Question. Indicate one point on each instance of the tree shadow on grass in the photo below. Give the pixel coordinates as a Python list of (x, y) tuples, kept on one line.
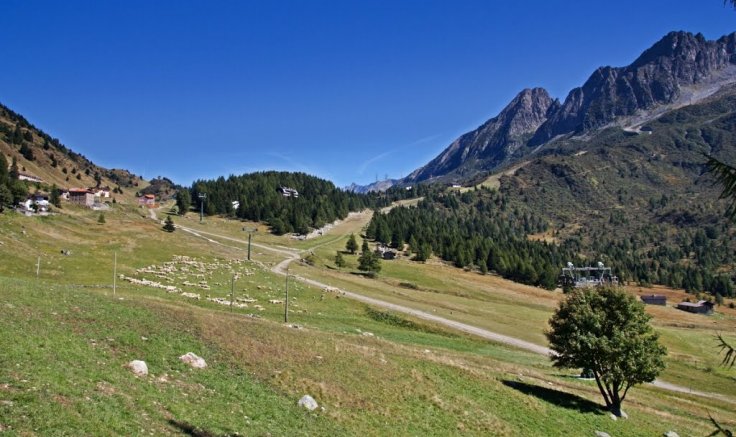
[(191, 430), (556, 397)]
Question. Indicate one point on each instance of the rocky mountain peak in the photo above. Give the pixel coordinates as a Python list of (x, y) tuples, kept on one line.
[(497, 139), (656, 77), (680, 69), (527, 111)]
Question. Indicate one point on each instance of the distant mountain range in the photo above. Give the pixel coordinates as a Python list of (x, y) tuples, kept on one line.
[(679, 70)]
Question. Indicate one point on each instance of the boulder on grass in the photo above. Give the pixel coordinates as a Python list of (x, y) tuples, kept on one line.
[(193, 360), (308, 402), (138, 367)]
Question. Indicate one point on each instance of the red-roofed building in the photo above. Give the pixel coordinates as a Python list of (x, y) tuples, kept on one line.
[(149, 200), (81, 196)]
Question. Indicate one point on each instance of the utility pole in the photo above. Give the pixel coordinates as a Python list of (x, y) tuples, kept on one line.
[(202, 198), (250, 231), (232, 293), (286, 301), (114, 273)]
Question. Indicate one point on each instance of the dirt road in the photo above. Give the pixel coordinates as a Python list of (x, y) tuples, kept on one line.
[(292, 255)]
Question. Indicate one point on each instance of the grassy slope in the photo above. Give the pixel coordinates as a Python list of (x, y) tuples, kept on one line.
[(64, 347)]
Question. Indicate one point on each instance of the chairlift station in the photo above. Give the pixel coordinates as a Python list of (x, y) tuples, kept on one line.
[(581, 277)]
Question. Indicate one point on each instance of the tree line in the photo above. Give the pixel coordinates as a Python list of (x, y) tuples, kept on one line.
[(256, 197), (476, 229)]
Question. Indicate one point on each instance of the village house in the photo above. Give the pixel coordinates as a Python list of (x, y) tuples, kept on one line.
[(37, 202), (147, 200), (81, 196), (101, 192), (654, 299), (701, 307), (29, 177), (385, 252)]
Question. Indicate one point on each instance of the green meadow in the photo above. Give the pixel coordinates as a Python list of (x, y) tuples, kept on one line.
[(66, 339)]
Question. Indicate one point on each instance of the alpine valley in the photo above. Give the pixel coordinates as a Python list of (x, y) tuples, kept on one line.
[(617, 171), (275, 303)]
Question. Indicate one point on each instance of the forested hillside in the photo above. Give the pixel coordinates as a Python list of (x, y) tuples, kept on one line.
[(478, 229), (643, 200), (258, 197)]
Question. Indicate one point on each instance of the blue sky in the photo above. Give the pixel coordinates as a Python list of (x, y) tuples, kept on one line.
[(345, 90)]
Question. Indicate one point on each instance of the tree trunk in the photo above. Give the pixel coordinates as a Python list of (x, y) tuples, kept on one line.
[(615, 407)]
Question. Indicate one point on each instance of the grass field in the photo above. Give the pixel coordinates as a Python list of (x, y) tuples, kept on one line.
[(66, 340)]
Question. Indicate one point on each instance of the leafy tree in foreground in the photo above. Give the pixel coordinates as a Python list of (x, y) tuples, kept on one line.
[(169, 224), (607, 331), (352, 245)]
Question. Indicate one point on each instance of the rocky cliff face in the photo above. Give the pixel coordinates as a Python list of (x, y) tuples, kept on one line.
[(678, 60), (497, 139), (680, 69)]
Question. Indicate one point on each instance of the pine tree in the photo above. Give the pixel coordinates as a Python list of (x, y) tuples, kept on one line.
[(6, 197), (339, 260), (369, 262), (4, 173), (352, 245), (55, 197), (183, 201), (169, 224), (14, 172), (27, 152)]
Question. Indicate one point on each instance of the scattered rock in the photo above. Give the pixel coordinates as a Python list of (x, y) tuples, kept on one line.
[(295, 326), (138, 367), (308, 402), (602, 434), (671, 434), (193, 360), (6, 403)]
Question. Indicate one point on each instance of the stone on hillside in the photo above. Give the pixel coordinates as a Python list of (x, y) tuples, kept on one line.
[(138, 367), (193, 360), (671, 434), (602, 434), (308, 402)]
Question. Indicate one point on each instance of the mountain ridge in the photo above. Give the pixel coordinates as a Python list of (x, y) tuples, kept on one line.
[(680, 69)]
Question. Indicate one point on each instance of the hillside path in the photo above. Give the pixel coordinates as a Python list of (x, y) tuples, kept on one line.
[(282, 269)]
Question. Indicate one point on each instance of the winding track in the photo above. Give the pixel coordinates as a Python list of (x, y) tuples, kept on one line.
[(292, 255)]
